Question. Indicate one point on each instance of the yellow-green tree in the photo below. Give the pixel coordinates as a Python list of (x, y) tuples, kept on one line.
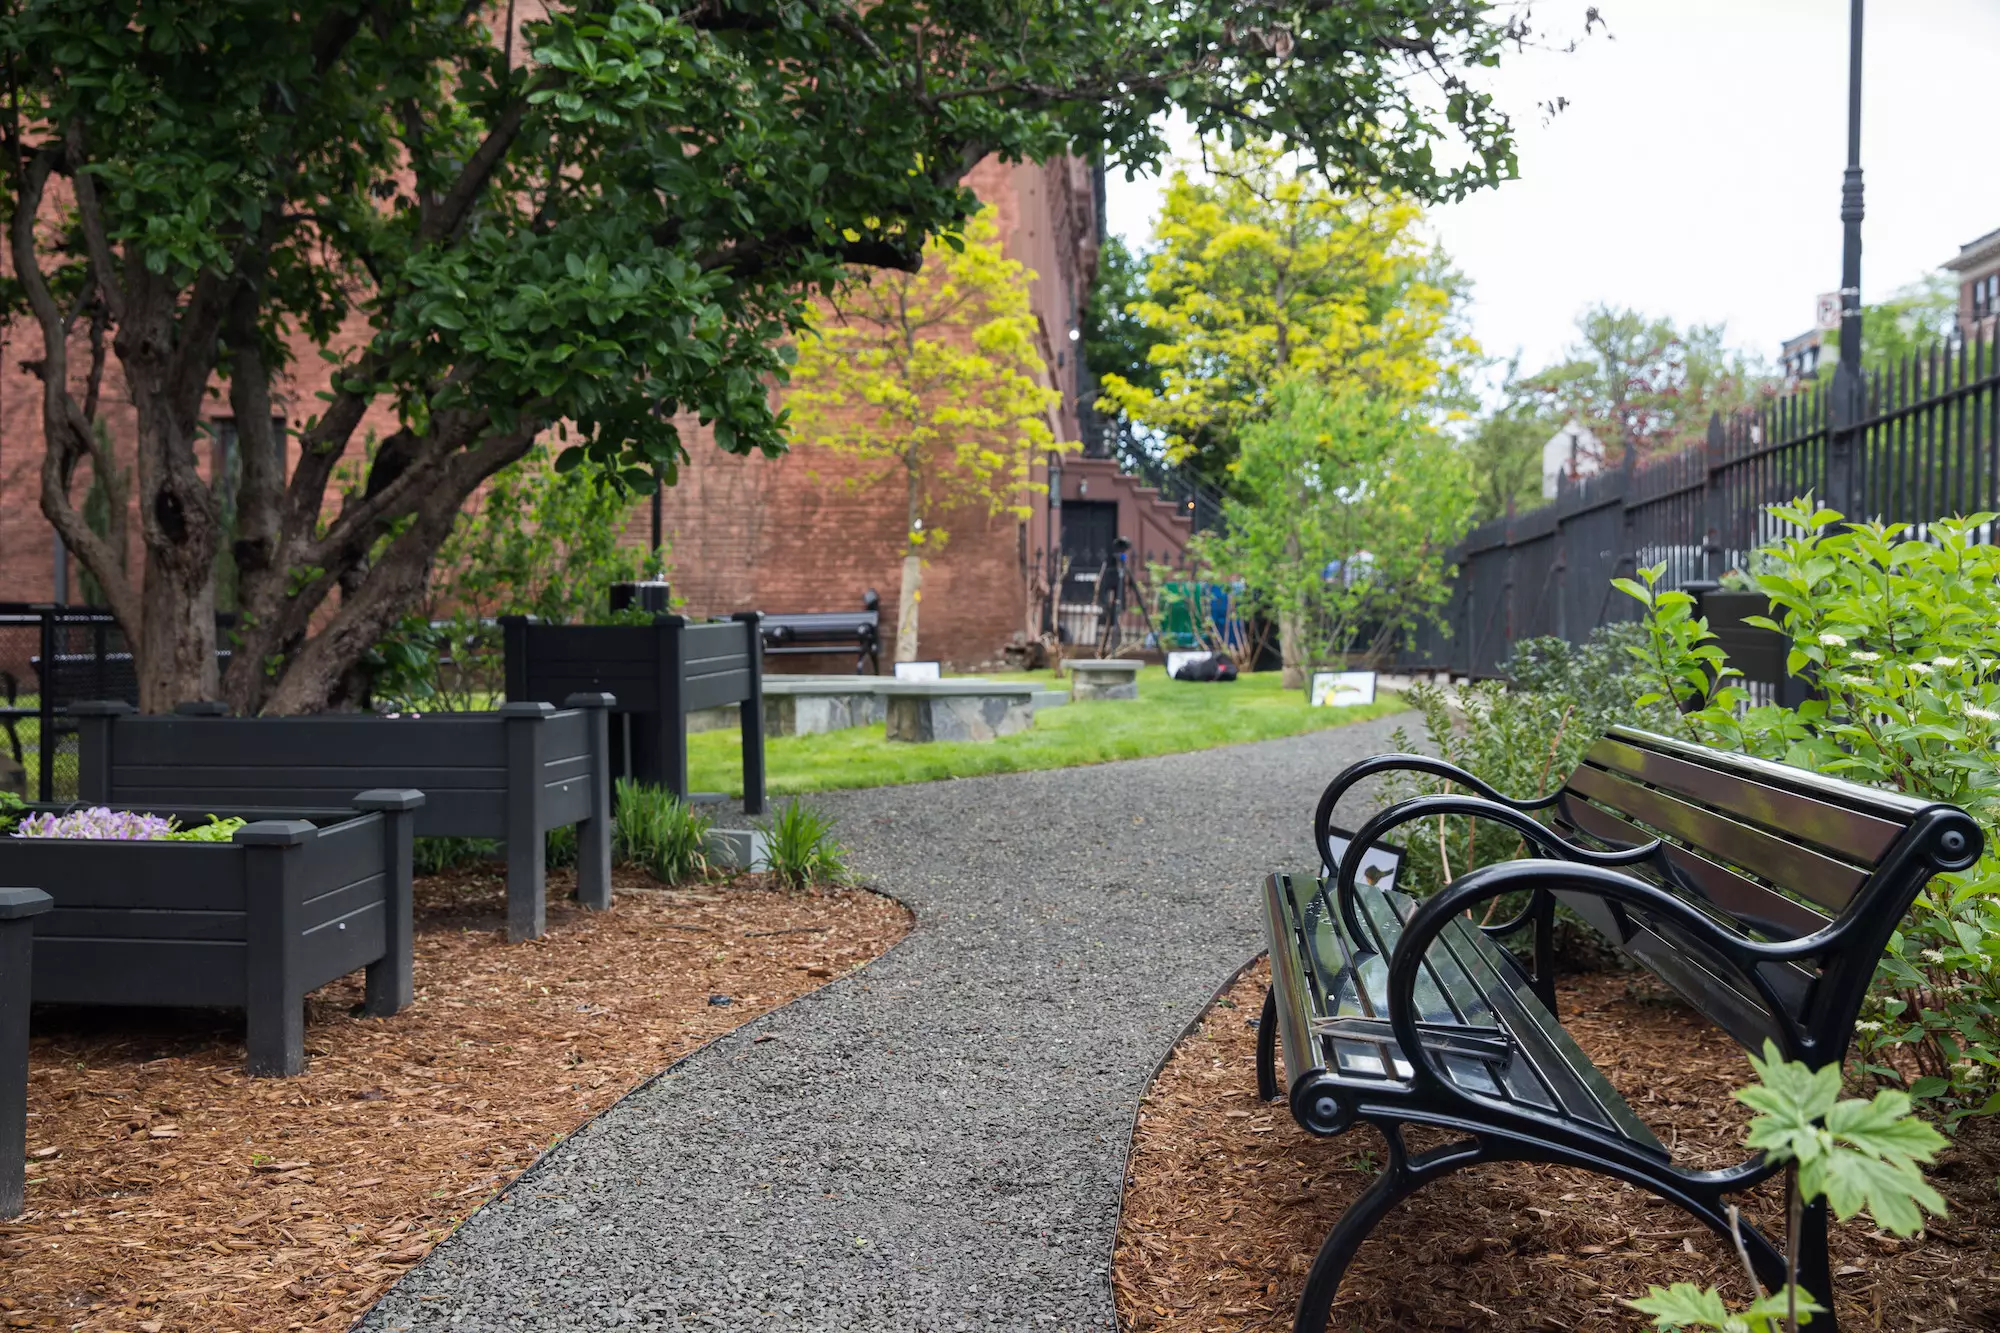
[(933, 380), (1261, 273)]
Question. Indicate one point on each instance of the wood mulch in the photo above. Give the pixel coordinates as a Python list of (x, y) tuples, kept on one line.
[(1227, 1201), (167, 1191)]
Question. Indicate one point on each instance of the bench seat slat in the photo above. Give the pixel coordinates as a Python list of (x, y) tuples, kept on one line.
[(1854, 834), (1542, 1074), (1350, 985), (1803, 871)]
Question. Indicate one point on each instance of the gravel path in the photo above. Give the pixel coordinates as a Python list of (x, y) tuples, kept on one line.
[(937, 1142)]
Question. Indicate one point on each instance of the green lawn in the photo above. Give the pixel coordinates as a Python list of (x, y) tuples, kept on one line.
[(1169, 717)]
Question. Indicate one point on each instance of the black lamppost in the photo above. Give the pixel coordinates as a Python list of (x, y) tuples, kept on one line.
[(1051, 510), (658, 536), (1849, 399)]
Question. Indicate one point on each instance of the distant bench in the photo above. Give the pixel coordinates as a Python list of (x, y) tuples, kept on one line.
[(821, 632)]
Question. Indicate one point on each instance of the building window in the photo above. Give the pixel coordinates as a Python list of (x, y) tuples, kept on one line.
[(1986, 296)]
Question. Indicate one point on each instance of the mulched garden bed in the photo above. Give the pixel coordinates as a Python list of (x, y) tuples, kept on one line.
[(1227, 1200), (167, 1191)]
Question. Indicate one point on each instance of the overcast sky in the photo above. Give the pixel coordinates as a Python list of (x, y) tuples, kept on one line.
[(1696, 171)]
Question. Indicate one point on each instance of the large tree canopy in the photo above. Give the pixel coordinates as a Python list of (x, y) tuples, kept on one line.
[(607, 217), (1265, 272)]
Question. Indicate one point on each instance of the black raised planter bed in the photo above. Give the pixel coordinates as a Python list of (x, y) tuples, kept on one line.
[(515, 774), (1759, 653), (252, 924), (18, 910), (658, 673)]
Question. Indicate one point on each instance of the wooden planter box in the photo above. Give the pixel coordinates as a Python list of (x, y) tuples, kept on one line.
[(513, 774), (658, 674), (252, 924)]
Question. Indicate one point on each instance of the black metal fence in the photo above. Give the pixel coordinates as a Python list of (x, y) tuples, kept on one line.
[(1924, 444), (50, 658)]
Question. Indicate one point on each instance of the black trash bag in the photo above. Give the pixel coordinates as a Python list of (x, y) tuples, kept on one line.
[(1216, 667)]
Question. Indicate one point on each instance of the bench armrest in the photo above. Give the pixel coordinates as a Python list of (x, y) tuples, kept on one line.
[(1406, 763), (1488, 882), (1538, 836)]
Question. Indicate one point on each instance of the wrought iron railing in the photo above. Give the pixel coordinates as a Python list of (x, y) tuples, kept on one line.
[(1926, 445)]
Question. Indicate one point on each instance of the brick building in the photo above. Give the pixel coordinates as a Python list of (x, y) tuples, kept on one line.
[(779, 535), (791, 534)]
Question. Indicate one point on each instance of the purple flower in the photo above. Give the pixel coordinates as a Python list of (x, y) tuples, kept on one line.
[(94, 822)]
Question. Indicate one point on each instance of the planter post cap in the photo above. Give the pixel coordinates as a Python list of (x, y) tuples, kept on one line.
[(275, 833), (202, 708), (388, 798), (18, 903), (100, 708), (591, 700), (527, 710)]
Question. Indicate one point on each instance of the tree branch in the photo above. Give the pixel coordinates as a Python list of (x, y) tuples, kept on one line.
[(95, 240), (457, 204), (395, 581)]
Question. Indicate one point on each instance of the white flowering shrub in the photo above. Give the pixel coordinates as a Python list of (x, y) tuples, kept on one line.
[(1902, 639)]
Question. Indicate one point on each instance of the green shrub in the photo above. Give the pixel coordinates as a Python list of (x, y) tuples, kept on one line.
[(560, 850), (434, 856), (659, 832), (1903, 639), (1860, 1156), (800, 849), (1522, 736)]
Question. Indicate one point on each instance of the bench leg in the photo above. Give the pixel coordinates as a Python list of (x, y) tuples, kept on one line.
[(1338, 1249), (1267, 1048), (1402, 1177)]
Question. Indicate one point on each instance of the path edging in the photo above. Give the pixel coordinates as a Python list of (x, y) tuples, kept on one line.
[(1132, 1135)]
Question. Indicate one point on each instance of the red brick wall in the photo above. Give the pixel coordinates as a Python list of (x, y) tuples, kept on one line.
[(800, 534)]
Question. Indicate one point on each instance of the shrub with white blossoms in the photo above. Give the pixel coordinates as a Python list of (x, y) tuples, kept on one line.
[(1902, 639)]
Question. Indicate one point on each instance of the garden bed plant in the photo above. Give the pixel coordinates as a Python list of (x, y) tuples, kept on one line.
[(102, 822)]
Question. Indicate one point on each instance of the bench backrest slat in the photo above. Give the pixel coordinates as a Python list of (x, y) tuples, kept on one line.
[(1850, 833), (1762, 910), (1790, 865), (1767, 851)]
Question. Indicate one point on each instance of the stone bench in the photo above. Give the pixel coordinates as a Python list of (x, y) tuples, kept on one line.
[(1103, 678), (954, 710), (806, 706)]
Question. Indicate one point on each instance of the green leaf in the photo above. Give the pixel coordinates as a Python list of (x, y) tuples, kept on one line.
[(1885, 1127), (1684, 1305), (1891, 1192), (1633, 590)]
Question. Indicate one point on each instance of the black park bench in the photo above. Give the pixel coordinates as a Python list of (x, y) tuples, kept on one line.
[(800, 633), (1763, 895)]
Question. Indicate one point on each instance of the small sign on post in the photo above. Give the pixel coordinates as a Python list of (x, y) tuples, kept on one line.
[(1342, 689), (919, 671)]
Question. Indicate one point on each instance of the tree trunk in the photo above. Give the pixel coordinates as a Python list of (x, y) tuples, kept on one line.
[(176, 651), (907, 603), (1292, 649)]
